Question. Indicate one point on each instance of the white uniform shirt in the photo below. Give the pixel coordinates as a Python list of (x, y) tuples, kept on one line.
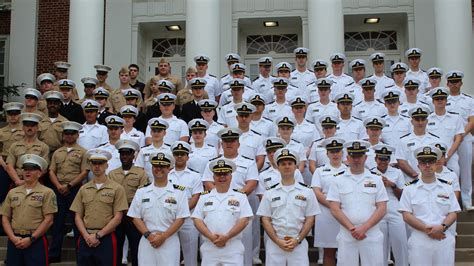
[(227, 115), (211, 134), (251, 144), (395, 128), (316, 110), (302, 79), (264, 86), (350, 129), (406, 106), (212, 87), (199, 157), (364, 109), (396, 176), (91, 136), (305, 133), (288, 207), (226, 95), (409, 143), (298, 148), (446, 126), (227, 78), (159, 207), (275, 110), (114, 162), (325, 175), (353, 88), (383, 83), (246, 171), (291, 92), (462, 104), (343, 79), (271, 177), (318, 153), (177, 129), (421, 76), (221, 211), (144, 157), (134, 135), (358, 195), (265, 127), (187, 178), (430, 203), (450, 176)]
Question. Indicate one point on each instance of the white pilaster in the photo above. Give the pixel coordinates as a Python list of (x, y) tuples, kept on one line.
[(86, 38), (203, 32), (325, 28), (22, 54), (453, 21)]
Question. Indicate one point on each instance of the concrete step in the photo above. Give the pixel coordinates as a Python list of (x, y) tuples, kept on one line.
[(465, 241), (465, 228), (466, 216), (465, 255)]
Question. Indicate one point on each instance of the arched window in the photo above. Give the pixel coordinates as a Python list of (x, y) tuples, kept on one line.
[(370, 41), (169, 47), (265, 44)]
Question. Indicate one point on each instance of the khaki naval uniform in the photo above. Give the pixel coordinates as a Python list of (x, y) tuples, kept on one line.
[(116, 101), (8, 135), (19, 148), (130, 181), (175, 80), (51, 132)]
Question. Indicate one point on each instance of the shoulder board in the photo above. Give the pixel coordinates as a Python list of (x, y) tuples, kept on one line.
[(308, 121), (311, 83), (404, 116), (303, 184), (314, 102), (179, 187), (466, 95), (266, 118), (212, 75), (255, 132), (192, 170), (340, 173), (389, 86), (270, 102), (411, 182), (210, 145), (215, 158), (378, 100), (374, 173), (432, 134), (357, 103), (274, 186), (224, 76), (248, 158), (449, 169), (310, 70), (238, 190), (444, 181), (372, 168), (263, 170), (383, 116), (248, 87), (347, 85), (205, 192), (256, 78), (103, 144), (295, 140), (145, 185), (166, 144), (226, 103), (246, 76), (219, 123), (146, 145), (454, 113), (357, 118), (317, 141), (424, 102), (404, 135)]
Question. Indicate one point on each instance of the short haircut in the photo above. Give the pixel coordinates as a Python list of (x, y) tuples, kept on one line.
[(124, 70), (135, 66)]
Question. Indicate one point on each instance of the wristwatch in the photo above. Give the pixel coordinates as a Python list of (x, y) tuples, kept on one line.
[(32, 238), (298, 239), (445, 227), (147, 234), (98, 236)]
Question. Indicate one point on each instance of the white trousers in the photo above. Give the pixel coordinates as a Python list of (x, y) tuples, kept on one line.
[(254, 203), (188, 237), (166, 254), (369, 250), (275, 256), (247, 241), (424, 251), (395, 236), (465, 164), (231, 254)]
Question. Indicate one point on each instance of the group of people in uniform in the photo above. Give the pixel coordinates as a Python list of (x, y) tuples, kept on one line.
[(374, 168)]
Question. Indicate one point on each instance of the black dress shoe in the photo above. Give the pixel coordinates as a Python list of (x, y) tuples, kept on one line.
[(54, 259)]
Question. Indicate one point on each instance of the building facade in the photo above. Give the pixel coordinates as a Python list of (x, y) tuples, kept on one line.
[(36, 33)]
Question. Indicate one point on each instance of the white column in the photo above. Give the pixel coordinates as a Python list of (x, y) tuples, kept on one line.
[(453, 21), (86, 38), (203, 32), (325, 28)]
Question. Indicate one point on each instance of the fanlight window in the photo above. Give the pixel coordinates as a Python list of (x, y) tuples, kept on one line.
[(169, 47), (265, 44), (370, 41)]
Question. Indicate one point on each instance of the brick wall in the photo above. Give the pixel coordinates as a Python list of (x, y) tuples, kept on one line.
[(53, 28), (5, 18)]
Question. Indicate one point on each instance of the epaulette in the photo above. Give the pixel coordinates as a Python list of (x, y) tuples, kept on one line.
[(383, 116), (310, 70), (389, 86), (303, 184), (466, 95), (212, 75), (311, 83), (147, 145), (375, 173), (219, 123), (261, 171), (248, 158), (357, 118), (340, 173), (347, 85), (308, 120), (210, 145), (255, 132), (205, 192), (246, 76), (215, 157), (248, 87), (295, 140), (270, 102), (294, 70), (444, 181), (238, 190), (192, 170), (267, 118), (274, 186), (318, 140), (166, 144), (179, 187), (424, 103), (454, 113), (145, 185), (103, 144), (404, 135), (314, 102), (404, 115), (449, 169), (256, 78), (225, 104), (224, 76), (432, 134), (378, 100), (411, 182), (357, 103)]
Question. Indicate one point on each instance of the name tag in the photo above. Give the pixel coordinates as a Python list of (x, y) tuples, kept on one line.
[(443, 196), (275, 199), (209, 203), (316, 110), (300, 197), (267, 179), (370, 185), (271, 111), (431, 124), (362, 111), (145, 200), (404, 111), (410, 144), (228, 112), (327, 170)]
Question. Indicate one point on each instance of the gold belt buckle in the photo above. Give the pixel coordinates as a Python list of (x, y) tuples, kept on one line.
[(24, 232)]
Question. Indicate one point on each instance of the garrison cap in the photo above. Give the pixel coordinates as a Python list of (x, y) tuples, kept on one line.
[(377, 57), (71, 126), (207, 104), (102, 68), (129, 110), (319, 64), (383, 150), (166, 98), (329, 120), (222, 165), (428, 152), (419, 111), (162, 158), (66, 84), (271, 143), (98, 155), (285, 121), (243, 108), (114, 121), (100, 92), (90, 81), (201, 58), (13, 106), (198, 124), (357, 63), (337, 57), (286, 153), (333, 143), (31, 117), (90, 105), (126, 144), (32, 92), (439, 92), (33, 161), (229, 133), (180, 146), (374, 121), (435, 72), (454, 75), (344, 97), (45, 76), (399, 67), (166, 84), (413, 52), (158, 123), (197, 83), (53, 95)]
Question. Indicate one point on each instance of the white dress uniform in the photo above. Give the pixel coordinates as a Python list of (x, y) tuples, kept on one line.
[(326, 227), (451, 177), (265, 87), (91, 136), (383, 83), (220, 212), (408, 144), (188, 234), (177, 129), (212, 87), (317, 109), (370, 162), (392, 225), (251, 144), (200, 157), (144, 157), (227, 115), (302, 79), (114, 162), (305, 133), (134, 135), (159, 208), (274, 110), (352, 87), (429, 203), (446, 127), (227, 78), (421, 76), (211, 134), (406, 106), (311, 91), (265, 127), (395, 128), (298, 148), (246, 171), (343, 79), (226, 95), (350, 129), (358, 196), (288, 207), (464, 105), (270, 177), (364, 109), (318, 153)]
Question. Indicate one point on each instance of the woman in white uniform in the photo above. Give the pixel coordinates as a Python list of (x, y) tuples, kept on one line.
[(318, 156), (201, 152), (326, 226)]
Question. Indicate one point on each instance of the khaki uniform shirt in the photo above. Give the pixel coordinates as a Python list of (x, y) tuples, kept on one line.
[(67, 165), (98, 206), (42, 106), (43, 115), (175, 80), (19, 148), (27, 210), (51, 133), (8, 135), (117, 100), (105, 86), (134, 179)]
